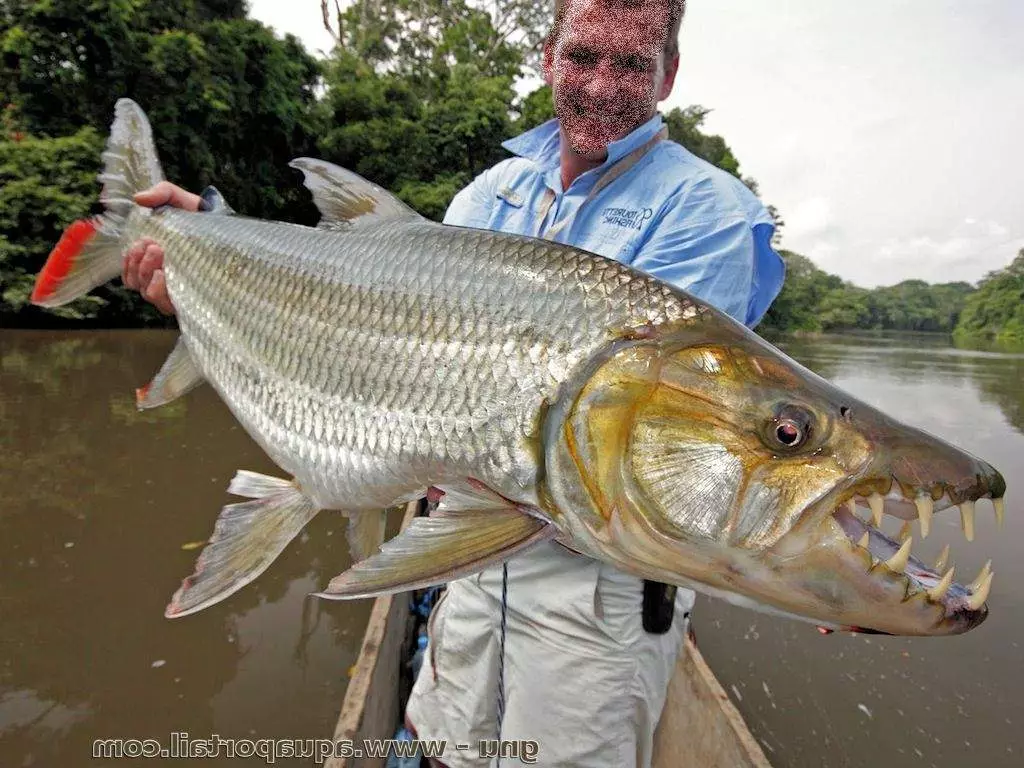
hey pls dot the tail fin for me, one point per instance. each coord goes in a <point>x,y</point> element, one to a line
<point>89,253</point>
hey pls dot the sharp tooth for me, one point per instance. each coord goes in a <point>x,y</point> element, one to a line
<point>851,505</point>
<point>898,562</point>
<point>940,564</point>
<point>877,504</point>
<point>967,519</point>
<point>939,591</point>
<point>982,575</point>
<point>924,511</point>
<point>975,601</point>
<point>1000,507</point>
<point>905,531</point>
<point>864,540</point>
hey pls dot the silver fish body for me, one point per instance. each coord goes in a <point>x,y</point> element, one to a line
<point>372,364</point>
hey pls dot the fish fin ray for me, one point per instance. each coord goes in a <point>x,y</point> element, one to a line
<point>247,538</point>
<point>437,549</point>
<point>176,376</point>
<point>89,252</point>
<point>470,495</point>
<point>256,485</point>
<point>87,255</point>
<point>213,202</point>
<point>347,200</point>
<point>365,533</point>
<point>130,161</point>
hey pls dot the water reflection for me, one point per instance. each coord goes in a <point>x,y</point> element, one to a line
<point>98,500</point>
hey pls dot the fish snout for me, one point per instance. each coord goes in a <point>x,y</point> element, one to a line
<point>915,476</point>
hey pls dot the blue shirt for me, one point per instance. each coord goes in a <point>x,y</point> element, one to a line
<point>671,215</point>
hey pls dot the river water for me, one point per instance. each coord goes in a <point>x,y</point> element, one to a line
<point>100,505</point>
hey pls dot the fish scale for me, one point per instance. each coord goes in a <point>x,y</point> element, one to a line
<point>327,318</point>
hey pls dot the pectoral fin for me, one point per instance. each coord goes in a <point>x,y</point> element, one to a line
<point>455,543</point>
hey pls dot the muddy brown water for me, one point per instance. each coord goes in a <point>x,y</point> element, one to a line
<point>99,500</point>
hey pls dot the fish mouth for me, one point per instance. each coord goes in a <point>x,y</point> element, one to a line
<point>890,561</point>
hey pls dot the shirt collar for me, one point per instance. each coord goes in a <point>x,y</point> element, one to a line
<point>541,144</point>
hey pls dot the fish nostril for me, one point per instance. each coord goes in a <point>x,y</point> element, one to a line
<point>844,411</point>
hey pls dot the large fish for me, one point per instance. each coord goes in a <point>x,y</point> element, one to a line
<point>542,391</point>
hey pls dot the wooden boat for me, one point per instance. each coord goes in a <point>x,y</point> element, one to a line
<point>699,725</point>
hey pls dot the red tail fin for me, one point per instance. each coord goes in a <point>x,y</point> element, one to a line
<point>62,258</point>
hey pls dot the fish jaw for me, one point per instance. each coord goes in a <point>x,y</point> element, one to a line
<point>660,461</point>
<point>828,581</point>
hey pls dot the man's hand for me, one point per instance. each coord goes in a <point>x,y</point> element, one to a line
<point>144,261</point>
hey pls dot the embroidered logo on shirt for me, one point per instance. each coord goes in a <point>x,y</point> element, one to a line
<point>626,217</point>
<point>510,196</point>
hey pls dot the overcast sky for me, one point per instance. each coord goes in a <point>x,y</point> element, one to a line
<point>889,133</point>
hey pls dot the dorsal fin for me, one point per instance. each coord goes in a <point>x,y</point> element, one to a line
<point>347,199</point>
<point>213,202</point>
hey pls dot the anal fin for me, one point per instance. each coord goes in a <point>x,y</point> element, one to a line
<point>247,538</point>
<point>452,543</point>
<point>176,376</point>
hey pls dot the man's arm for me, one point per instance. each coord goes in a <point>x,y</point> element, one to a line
<point>142,270</point>
<point>472,206</point>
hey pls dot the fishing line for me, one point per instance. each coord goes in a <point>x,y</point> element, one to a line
<point>501,656</point>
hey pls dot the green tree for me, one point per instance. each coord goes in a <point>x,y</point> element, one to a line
<point>422,40</point>
<point>44,184</point>
<point>806,286</point>
<point>536,108</point>
<point>994,315</point>
<point>230,103</point>
<point>843,308</point>
<point>684,126</point>
<point>914,305</point>
<point>419,96</point>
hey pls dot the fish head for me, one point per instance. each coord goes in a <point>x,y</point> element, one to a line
<point>715,461</point>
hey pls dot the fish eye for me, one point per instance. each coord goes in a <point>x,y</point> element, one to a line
<point>789,433</point>
<point>791,428</point>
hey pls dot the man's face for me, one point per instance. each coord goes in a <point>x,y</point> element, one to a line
<point>608,72</point>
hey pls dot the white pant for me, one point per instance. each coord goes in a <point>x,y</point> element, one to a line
<point>582,677</point>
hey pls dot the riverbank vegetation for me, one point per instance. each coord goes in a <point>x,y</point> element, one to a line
<point>416,97</point>
<point>989,316</point>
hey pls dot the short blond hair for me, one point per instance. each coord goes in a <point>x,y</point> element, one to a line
<point>676,10</point>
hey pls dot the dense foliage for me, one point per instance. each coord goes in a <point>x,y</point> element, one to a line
<point>230,102</point>
<point>994,315</point>
<point>814,300</point>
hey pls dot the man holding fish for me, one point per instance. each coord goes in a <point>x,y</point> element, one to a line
<point>607,423</point>
<point>582,663</point>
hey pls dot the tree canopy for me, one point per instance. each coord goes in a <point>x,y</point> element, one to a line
<point>994,315</point>
<point>229,101</point>
<point>814,300</point>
